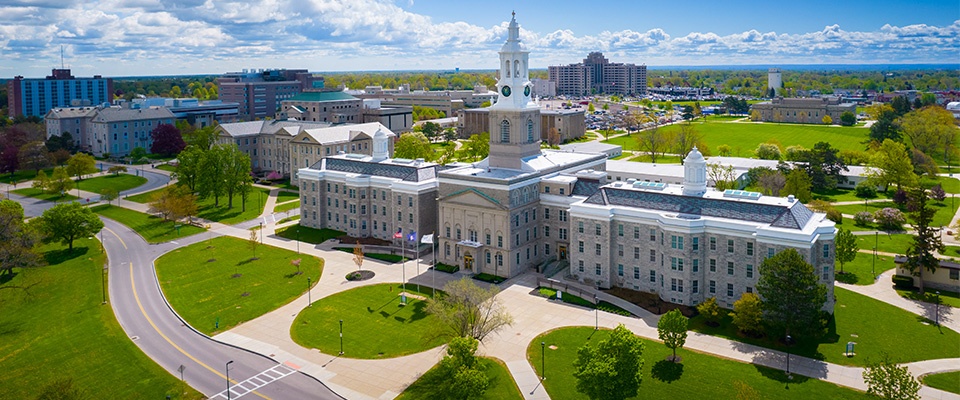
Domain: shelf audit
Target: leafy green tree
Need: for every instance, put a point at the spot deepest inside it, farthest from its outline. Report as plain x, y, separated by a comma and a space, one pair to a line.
900, 105
210, 176
792, 294
591, 109
929, 128
204, 138
885, 127
890, 164
80, 164
477, 146
921, 255
798, 184
117, 169
467, 310
466, 378
823, 164
60, 181
431, 130
848, 119
672, 330
654, 142
887, 380
137, 154
34, 155
66, 222
612, 369
413, 145
748, 314
41, 182
109, 194
768, 151
236, 173
189, 167
18, 240
847, 247
710, 311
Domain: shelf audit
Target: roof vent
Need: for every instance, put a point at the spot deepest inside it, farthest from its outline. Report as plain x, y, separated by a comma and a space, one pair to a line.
791, 199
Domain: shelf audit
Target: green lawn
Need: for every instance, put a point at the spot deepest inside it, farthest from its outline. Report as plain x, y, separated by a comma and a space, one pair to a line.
60, 330
39, 194
501, 385
390, 258
284, 196
891, 243
23, 175
877, 327
153, 229
950, 185
697, 374
119, 182
308, 234
167, 167
949, 381
946, 297
290, 205
743, 137
288, 219
576, 300
660, 160
206, 209
861, 270
375, 325
199, 281
838, 194
943, 216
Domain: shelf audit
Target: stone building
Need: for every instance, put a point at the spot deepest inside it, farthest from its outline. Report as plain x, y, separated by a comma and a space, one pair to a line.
267, 142
117, 131
570, 124
803, 110
334, 107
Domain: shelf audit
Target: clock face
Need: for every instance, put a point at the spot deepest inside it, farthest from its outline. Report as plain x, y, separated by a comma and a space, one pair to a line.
526, 91
506, 91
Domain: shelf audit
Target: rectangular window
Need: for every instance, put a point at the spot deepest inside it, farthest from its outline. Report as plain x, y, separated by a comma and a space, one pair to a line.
653, 276
955, 274
713, 287
546, 249
620, 230
653, 235
598, 247
729, 267
696, 244
653, 255
580, 246
729, 290
580, 227
488, 239
636, 232
597, 229
597, 269
546, 213
673, 284
695, 287
713, 265
620, 250
680, 285
749, 248
636, 272
636, 253
749, 289
713, 243
448, 231
826, 251
499, 241
546, 189
563, 215
826, 273
546, 231
580, 266
620, 269
696, 265
769, 252
749, 271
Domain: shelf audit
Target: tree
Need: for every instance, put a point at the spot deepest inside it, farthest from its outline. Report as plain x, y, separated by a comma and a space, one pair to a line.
686, 138
34, 156
477, 147
66, 222
413, 146
885, 127
722, 176
553, 137
59, 156
929, 128
890, 164
798, 184
792, 294
823, 164
117, 169
189, 166
174, 202
236, 173
887, 380
748, 314
768, 151
109, 194
612, 369
18, 240
204, 138
41, 182
358, 256
467, 310
167, 140
254, 242
772, 182
847, 119
937, 193
921, 254
465, 376
890, 219
847, 247
827, 120
80, 164
654, 142
431, 130
923, 164
591, 109
710, 311
137, 154
723, 150
672, 330
60, 181
211, 172
900, 105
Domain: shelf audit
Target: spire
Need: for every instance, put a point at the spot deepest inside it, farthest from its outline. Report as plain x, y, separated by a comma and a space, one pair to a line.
513, 29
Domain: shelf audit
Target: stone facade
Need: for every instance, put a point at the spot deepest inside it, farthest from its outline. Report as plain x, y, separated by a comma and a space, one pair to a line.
803, 111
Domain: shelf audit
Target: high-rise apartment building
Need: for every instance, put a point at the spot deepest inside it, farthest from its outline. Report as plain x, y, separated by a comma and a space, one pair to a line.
34, 97
597, 75
259, 92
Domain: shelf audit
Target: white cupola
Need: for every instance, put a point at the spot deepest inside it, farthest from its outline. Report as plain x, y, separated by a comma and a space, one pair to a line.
694, 174
381, 146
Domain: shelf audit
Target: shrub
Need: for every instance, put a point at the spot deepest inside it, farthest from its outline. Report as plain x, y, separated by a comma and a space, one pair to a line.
900, 197
794, 152
446, 268
862, 218
835, 215
711, 311
854, 157
937, 193
866, 190
847, 118
903, 282
768, 151
747, 314
890, 219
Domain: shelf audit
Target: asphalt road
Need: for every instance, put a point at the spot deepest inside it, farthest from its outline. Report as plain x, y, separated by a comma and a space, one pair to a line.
34, 207
144, 315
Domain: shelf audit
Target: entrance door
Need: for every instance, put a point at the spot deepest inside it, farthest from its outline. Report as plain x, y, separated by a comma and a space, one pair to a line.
468, 262
562, 251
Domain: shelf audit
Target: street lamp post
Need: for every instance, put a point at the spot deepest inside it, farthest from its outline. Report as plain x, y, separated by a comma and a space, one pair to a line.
543, 375
298, 238
876, 243
596, 312
103, 283
309, 301
341, 337
937, 315
228, 377
261, 233
788, 358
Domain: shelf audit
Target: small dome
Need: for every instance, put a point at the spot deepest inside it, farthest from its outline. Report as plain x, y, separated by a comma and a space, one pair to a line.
694, 156
380, 133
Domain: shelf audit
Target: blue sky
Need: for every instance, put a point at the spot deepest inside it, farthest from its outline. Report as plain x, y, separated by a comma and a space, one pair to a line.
154, 37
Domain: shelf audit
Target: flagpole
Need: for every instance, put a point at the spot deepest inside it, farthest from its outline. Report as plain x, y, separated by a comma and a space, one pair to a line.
416, 243
403, 257
433, 249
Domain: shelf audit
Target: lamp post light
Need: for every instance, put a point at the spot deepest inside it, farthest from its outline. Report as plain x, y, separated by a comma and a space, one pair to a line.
937, 315
103, 283
596, 312
228, 377
876, 243
298, 238
309, 301
261, 232
789, 376
341, 337
543, 375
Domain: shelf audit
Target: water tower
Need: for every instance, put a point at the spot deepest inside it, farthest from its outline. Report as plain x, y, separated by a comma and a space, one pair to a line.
774, 80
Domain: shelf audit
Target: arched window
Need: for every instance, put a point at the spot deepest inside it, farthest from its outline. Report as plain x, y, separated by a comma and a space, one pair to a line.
516, 68
505, 131
529, 131
506, 67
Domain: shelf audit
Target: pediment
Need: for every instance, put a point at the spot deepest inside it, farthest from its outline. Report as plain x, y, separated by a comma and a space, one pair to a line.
473, 197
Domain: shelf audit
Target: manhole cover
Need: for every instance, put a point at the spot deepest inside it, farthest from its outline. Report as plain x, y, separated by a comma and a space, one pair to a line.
134, 337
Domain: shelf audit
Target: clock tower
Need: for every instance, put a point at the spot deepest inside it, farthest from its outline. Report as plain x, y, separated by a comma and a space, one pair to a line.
514, 118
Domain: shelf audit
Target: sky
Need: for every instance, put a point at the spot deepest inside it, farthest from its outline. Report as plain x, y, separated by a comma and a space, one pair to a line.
178, 37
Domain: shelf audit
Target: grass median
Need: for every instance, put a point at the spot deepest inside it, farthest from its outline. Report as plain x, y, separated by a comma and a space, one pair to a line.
201, 281
119, 182
307, 234
290, 205
59, 331
43, 195
502, 386
152, 228
948, 381
222, 213
694, 377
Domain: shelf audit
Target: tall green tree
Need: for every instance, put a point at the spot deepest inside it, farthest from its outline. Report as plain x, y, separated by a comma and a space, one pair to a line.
798, 184
413, 146
929, 128
466, 378
60, 181
748, 313
66, 222
890, 164
823, 164
467, 310
847, 247
886, 126
18, 240
189, 166
926, 239
672, 330
792, 294
477, 147
236, 172
887, 380
612, 369
210, 177
80, 164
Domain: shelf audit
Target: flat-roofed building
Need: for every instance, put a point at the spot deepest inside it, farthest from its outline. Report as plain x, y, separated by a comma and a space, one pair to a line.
32, 97
803, 110
595, 74
117, 131
334, 107
258, 92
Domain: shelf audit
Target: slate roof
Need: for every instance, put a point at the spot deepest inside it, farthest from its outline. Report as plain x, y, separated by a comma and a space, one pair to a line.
585, 187
125, 114
793, 217
387, 169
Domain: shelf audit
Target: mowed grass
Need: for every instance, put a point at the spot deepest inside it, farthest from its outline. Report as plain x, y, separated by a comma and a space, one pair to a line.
119, 182
861, 270
60, 330
42, 195
23, 175
198, 281
152, 228
308, 234
697, 375
744, 137
890, 243
501, 384
290, 205
167, 167
943, 216
946, 297
222, 213
948, 381
877, 327
284, 196
375, 325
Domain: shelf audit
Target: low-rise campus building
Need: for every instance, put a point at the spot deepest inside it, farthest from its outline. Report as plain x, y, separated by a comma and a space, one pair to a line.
804, 110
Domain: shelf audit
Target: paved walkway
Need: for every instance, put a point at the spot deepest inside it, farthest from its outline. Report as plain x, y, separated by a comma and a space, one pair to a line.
882, 289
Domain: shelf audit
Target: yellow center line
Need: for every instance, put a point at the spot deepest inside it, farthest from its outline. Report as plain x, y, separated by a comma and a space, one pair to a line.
150, 321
